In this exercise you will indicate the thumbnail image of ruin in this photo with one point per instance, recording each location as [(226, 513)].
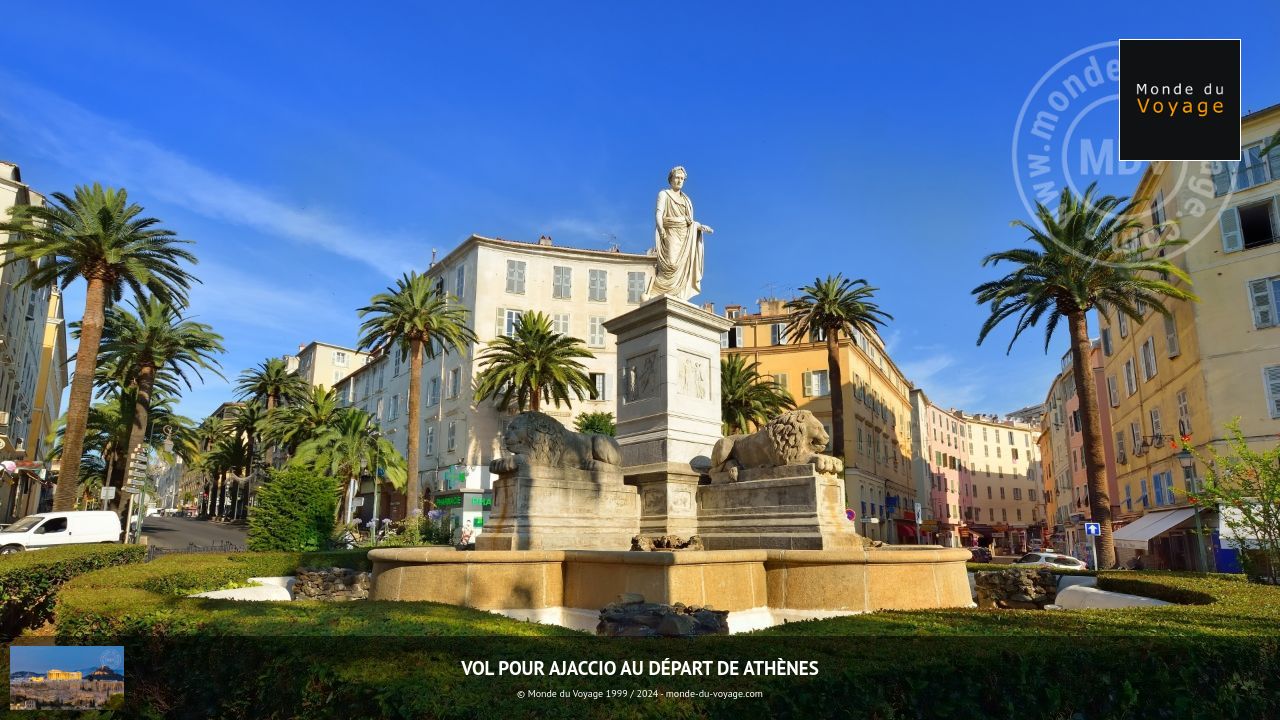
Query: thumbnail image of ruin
[(102, 687)]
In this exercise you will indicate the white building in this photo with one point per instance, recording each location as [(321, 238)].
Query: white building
[(497, 280)]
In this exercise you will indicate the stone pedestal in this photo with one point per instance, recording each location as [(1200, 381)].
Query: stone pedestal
[(783, 508), (668, 406), (544, 508)]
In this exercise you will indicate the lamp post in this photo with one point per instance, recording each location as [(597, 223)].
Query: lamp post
[(375, 435), (1188, 462)]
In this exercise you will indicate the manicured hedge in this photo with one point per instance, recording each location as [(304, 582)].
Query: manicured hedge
[(1216, 658), (980, 567), (29, 581)]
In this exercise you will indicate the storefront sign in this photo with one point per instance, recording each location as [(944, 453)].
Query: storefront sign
[(484, 501), (454, 501)]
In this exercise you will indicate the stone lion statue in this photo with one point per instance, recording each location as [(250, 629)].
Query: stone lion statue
[(793, 438), (534, 438)]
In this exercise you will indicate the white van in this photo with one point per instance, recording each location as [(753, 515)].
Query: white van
[(60, 528)]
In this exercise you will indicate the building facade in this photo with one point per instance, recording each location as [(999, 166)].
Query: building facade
[(496, 281), (1183, 378), (879, 484), (324, 365)]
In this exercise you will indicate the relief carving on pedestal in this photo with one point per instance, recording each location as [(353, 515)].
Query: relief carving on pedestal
[(694, 381), (640, 377)]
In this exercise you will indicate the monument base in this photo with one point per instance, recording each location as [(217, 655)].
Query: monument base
[(668, 498), (544, 508), (782, 508)]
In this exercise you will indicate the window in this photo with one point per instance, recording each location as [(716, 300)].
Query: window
[(1031, 494), (1264, 298), (635, 287), (452, 439), (1158, 483), (1128, 497), (1184, 414), (817, 335), (1157, 209), (1113, 394), (1172, 348), (1271, 379), (1148, 353), (560, 323), (1250, 226), (598, 386), (1252, 169), (515, 276), (460, 280), (816, 384), (455, 383), (1004, 515), (1130, 381), (1014, 451), (1142, 492), (395, 407), (1019, 511), (597, 285), (731, 338), (1001, 493), (595, 335), (1122, 324), (1106, 341), (433, 391), (780, 379), (561, 282), (507, 320), (1156, 427), (1017, 493), (339, 358), (988, 489), (1011, 437), (991, 514), (777, 334), (1135, 434), (429, 443), (1120, 446)]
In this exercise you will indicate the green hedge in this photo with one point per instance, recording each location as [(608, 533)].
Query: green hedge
[(294, 512), (980, 567), (29, 581)]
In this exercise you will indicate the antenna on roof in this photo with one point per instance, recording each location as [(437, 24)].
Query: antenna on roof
[(433, 257), (613, 242)]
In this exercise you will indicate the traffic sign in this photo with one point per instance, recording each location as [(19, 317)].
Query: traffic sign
[(1091, 528), (108, 493), (132, 490)]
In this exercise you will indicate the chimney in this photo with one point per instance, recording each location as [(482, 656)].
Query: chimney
[(545, 240), (709, 307)]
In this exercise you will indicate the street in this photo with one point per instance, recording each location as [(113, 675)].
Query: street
[(178, 533)]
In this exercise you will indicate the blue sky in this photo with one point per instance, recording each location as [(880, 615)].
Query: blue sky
[(314, 155), (42, 658)]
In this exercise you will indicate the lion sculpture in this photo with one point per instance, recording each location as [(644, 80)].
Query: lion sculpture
[(793, 438), (534, 438)]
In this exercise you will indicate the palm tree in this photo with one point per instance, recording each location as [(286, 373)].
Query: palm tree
[(99, 236), (747, 398), (290, 426), (271, 382), (352, 447), (533, 364), (248, 423), (421, 322), (136, 347), (1083, 257), (826, 309)]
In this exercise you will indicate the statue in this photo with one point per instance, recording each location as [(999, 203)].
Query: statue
[(792, 438), (679, 243), (534, 438)]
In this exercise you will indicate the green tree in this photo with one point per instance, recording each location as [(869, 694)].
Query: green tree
[(248, 422), (747, 398), (272, 383), (136, 348), (294, 512), (825, 310), (598, 423), (291, 425), (1083, 257), (1244, 486), (351, 448), (97, 235), (419, 322), (533, 364)]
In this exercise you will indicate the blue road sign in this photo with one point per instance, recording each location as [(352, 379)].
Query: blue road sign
[(1092, 529)]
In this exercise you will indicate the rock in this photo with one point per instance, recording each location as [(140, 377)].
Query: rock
[(1017, 588), (642, 619), (677, 626), (666, 543), (332, 584), (630, 598)]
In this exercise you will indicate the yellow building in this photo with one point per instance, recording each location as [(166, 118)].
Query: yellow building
[(877, 409), (62, 675), (51, 379), (1212, 361), (323, 365)]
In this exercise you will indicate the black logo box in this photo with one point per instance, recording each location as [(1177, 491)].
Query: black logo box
[(1187, 68)]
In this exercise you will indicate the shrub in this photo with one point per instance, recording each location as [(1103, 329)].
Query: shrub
[(599, 423), (295, 512), (29, 581)]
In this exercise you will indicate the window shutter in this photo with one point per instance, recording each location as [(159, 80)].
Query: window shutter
[(1229, 221), (1112, 392), (1156, 480), (1263, 313), (1273, 160), (805, 383), (1272, 377), (1171, 336), (500, 324)]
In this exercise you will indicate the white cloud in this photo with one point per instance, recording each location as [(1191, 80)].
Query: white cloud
[(98, 147), (229, 294)]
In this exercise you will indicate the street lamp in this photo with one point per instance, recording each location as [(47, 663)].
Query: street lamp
[(1188, 462), (375, 435)]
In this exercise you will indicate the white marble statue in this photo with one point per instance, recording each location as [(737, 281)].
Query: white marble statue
[(679, 243)]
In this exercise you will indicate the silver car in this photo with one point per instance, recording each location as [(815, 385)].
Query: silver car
[(1051, 561)]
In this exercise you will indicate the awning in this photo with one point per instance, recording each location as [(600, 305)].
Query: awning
[(1136, 534), (906, 529)]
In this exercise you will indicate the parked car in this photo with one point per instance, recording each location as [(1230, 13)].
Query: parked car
[(1051, 561), (60, 528), (980, 554)]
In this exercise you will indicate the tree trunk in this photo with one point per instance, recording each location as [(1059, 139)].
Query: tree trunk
[(141, 413), (535, 400), (413, 500), (64, 497), (1094, 462), (837, 393)]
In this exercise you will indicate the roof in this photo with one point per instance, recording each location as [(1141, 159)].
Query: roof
[(535, 246)]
